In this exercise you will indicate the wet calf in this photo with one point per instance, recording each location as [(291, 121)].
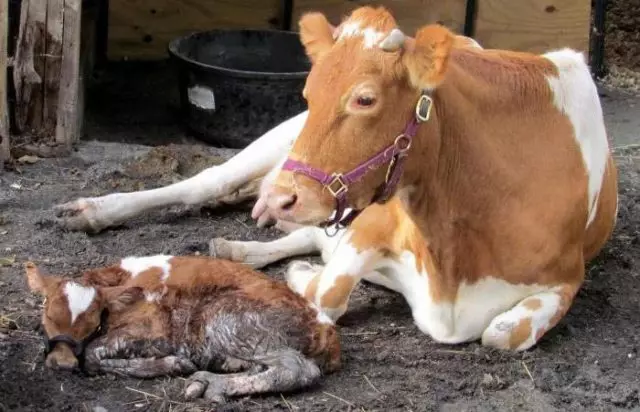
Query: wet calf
[(235, 330)]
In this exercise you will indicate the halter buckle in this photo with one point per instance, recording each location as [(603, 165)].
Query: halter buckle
[(337, 179), (423, 108)]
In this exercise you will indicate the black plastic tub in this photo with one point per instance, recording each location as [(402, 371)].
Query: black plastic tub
[(237, 84)]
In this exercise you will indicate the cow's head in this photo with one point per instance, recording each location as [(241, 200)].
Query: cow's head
[(366, 80), (73, 313)]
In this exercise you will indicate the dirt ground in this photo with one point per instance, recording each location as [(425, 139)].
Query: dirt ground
[(622, 33), (588, 362)]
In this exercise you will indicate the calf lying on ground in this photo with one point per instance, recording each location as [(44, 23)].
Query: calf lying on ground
[(163, 315)]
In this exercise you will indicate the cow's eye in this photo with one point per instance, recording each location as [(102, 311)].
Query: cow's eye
[(365, 101)]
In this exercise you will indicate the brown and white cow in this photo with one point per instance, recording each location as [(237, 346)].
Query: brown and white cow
[(163, 315), (507, 188)]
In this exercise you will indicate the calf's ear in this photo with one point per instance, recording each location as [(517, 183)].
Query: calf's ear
[(426, 57), (36, 281), (118, 298)]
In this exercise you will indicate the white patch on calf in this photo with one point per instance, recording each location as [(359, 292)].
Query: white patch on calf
[(575, 95), (79, 298), (136, 265)]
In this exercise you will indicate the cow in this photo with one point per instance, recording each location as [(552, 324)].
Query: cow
[(477, 183), (168, 315)]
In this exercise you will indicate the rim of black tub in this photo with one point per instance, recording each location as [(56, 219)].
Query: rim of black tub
[(176, 51)]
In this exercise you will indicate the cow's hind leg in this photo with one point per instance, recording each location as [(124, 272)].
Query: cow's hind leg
[(522, 326), (280, 371), (229, 182)]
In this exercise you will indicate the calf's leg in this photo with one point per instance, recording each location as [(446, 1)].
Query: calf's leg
[(212, 184), (281, 371), (147, 367)]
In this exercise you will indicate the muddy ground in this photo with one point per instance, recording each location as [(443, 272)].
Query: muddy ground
[(588, 362)]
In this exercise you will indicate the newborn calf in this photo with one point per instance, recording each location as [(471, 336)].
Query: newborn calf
[(162, 315)]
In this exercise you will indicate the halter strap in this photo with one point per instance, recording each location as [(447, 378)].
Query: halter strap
[(395, 154)]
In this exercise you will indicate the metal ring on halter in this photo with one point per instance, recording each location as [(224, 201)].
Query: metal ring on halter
[(399, 139)]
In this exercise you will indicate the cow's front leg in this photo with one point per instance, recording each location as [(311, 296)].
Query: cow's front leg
[(147, 367), (303, 241), (330, 287), (231, 181), (522, 326)]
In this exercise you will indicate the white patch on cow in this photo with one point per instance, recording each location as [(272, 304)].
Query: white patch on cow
[(136, 265), (370, 36), (321, 317), (463, 320), (575, 94), (498, 333), (473, 43), (79, 298)]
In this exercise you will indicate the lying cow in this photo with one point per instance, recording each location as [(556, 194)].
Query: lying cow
[(161, 315), (477, 183)]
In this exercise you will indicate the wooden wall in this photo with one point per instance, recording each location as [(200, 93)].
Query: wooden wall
[(141, 29)]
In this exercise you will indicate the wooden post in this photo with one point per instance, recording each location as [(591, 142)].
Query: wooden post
[(53, 63), (28, 67), (5, 148), (67, 130)]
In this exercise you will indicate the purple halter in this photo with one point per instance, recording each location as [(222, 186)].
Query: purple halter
[(338, 183)]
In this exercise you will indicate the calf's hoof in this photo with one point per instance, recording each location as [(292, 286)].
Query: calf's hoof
[(206, 385)]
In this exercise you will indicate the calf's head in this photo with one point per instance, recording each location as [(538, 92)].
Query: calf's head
[(73, 314), (367, 82)]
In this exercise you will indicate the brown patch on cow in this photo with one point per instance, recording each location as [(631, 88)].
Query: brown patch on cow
[(312, 288), (339, 293), (532, 304), (520, 333)]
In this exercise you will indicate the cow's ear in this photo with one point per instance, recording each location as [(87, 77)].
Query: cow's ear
[(316, 35), (426, 57), (118, 298)]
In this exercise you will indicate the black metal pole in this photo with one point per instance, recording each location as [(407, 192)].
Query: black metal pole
[(287, 14), (470, 18), (597, 49)]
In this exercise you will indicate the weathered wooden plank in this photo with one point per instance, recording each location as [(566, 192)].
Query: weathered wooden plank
[(5, 147), (53, 62), (533, 25), (410, 14), (67, 122), (142, 29), (28, 68)]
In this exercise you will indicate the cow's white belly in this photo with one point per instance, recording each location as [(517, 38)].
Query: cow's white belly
[(452, 322)]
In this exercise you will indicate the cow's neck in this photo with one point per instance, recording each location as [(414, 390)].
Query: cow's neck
[(446, 176)]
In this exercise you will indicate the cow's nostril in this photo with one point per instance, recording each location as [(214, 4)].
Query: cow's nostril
[(288, 204)]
